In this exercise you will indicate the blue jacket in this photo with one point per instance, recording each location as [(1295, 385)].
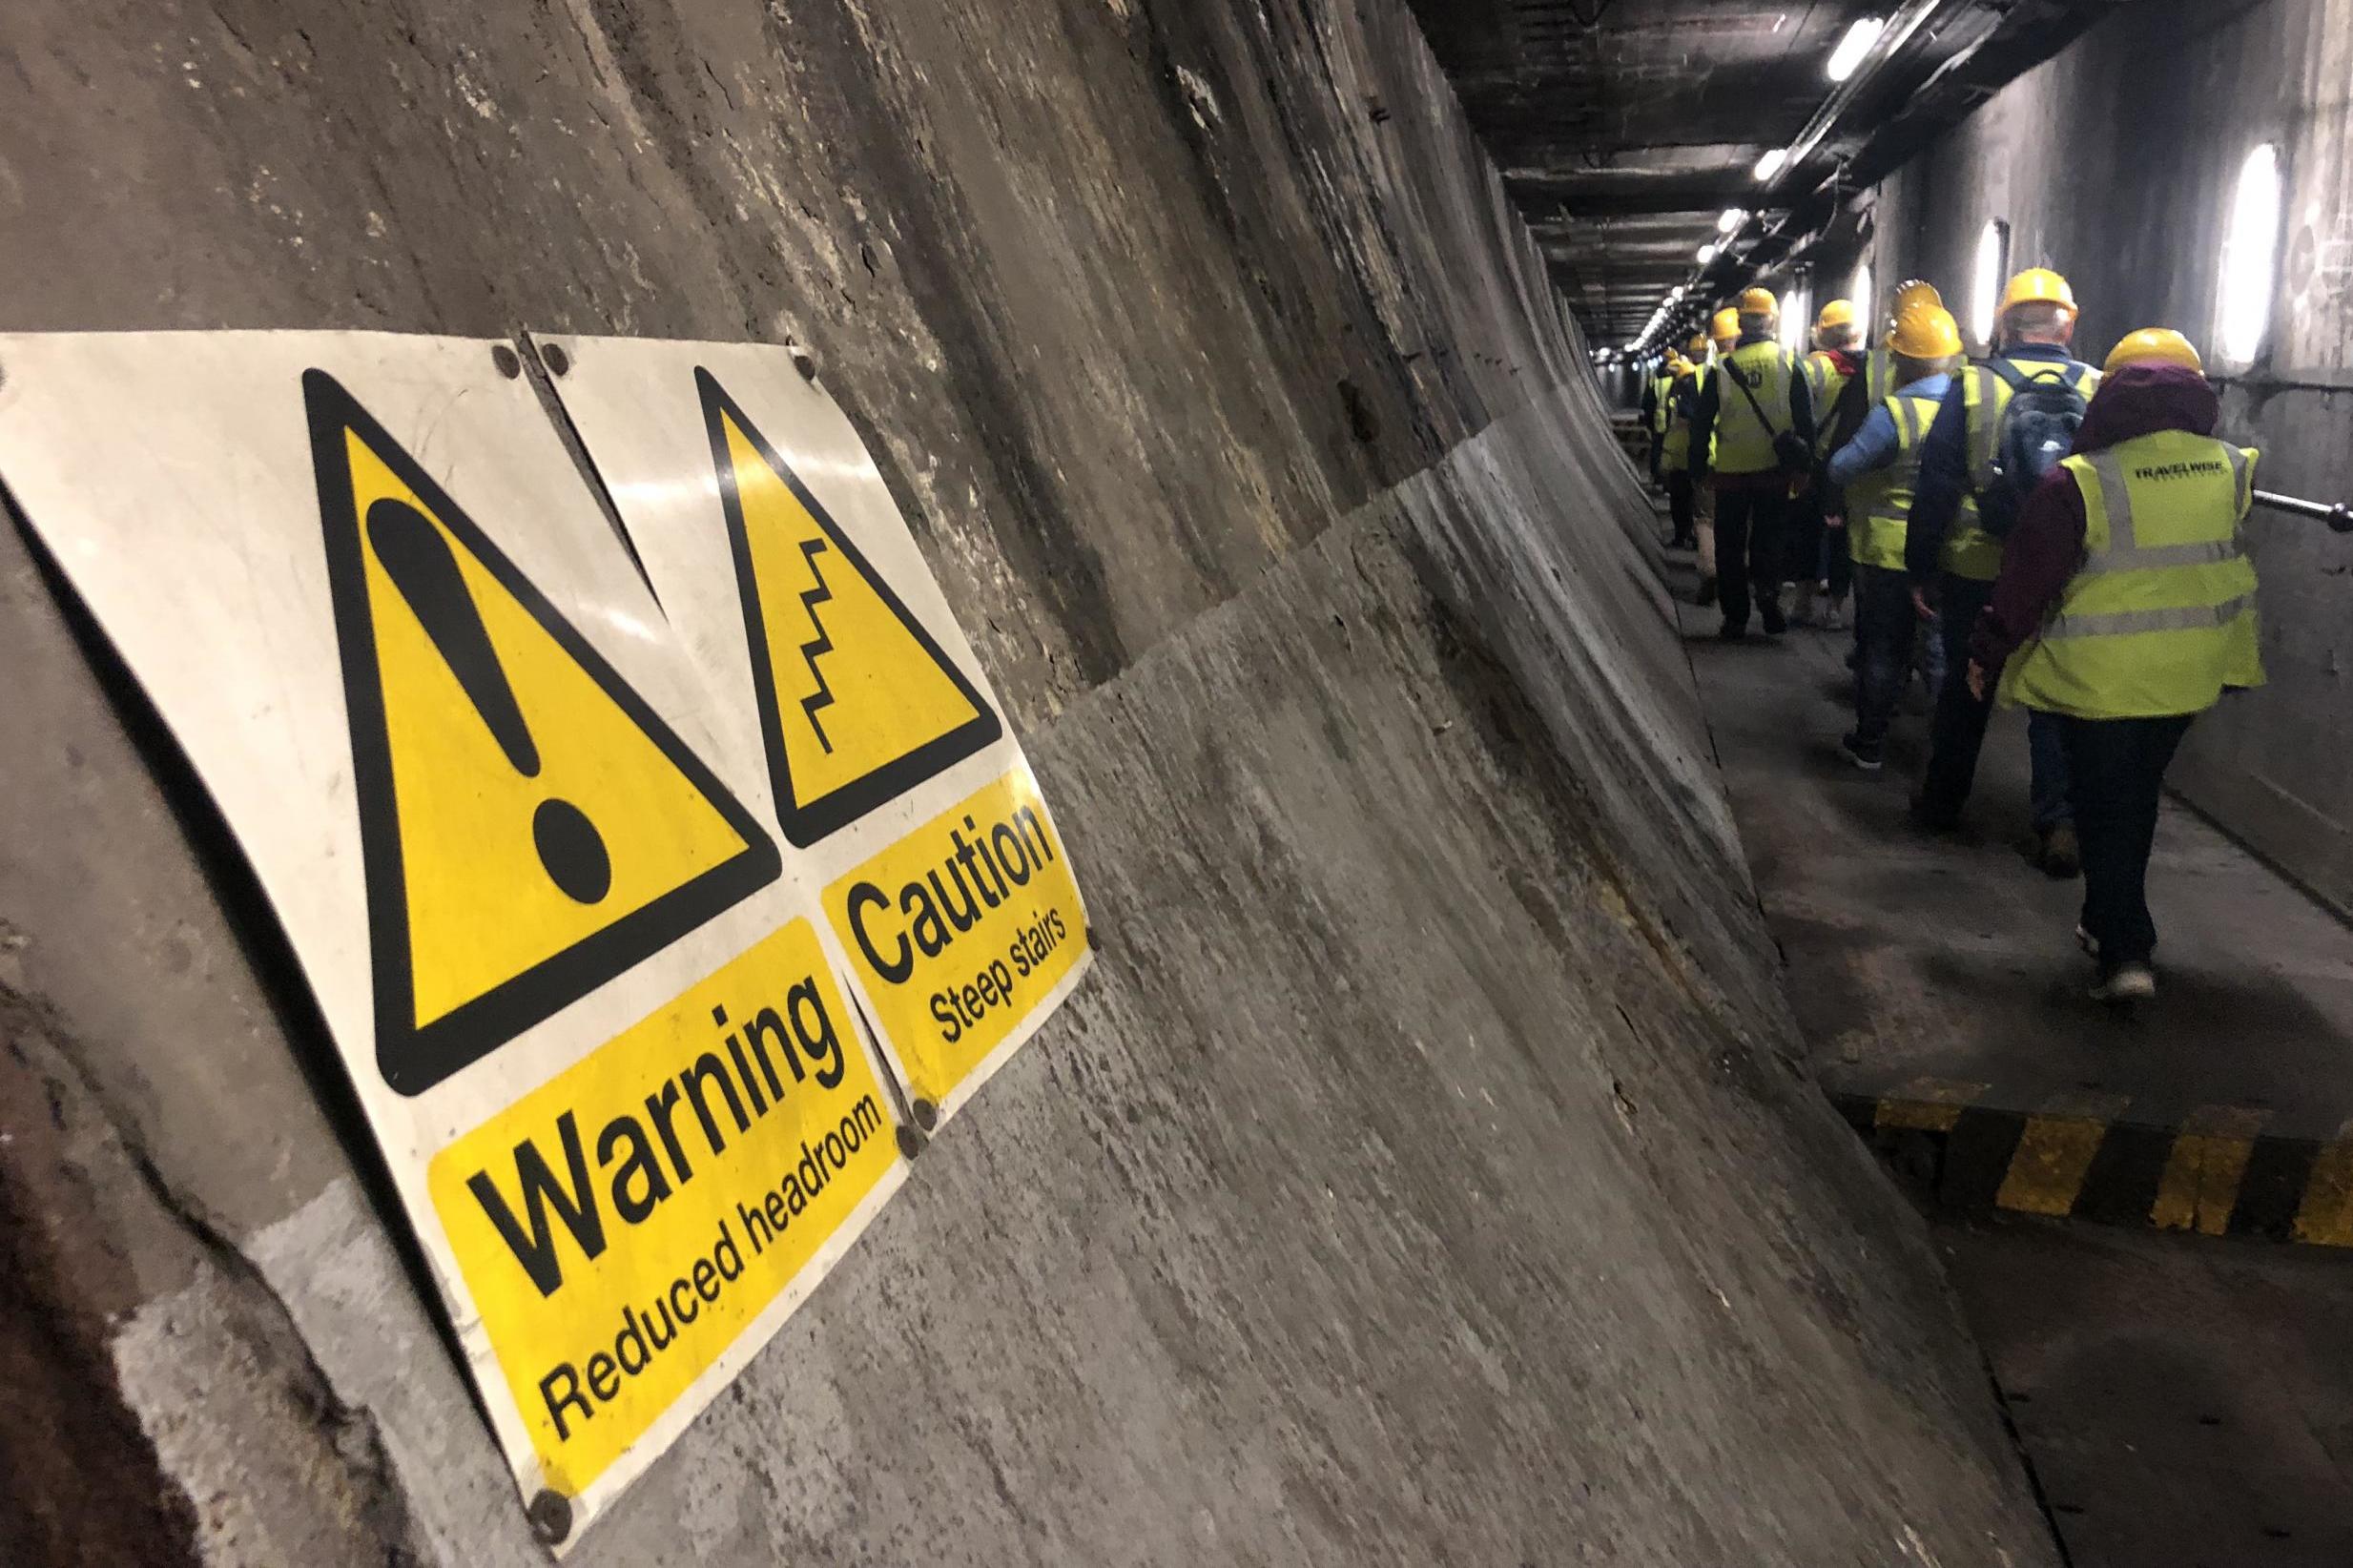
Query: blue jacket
[(1875, 445), (1943, 468)]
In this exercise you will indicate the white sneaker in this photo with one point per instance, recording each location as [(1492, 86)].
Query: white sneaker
[(2131, 982), (2088, 942)]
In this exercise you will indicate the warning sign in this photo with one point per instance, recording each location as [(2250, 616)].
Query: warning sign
[(856, 702), (529, 827), (961, 930), (597, 1018), (845, 682), (620, 1227)]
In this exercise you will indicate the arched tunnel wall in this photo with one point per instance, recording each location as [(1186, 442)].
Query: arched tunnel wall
[(2116, 162), (1423, 1175)]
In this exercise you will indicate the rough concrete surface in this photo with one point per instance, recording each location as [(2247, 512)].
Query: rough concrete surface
[(1427, 1174)]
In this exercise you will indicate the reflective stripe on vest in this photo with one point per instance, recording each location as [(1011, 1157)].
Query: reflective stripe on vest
[(1744, 446), (1879, 537), (2160, 616)]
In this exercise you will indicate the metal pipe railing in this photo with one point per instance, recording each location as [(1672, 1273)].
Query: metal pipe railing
[(2339, 517)]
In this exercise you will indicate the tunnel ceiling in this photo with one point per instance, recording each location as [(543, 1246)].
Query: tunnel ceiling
[(1625, 127)]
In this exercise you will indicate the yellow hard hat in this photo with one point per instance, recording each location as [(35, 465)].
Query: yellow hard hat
[(1925, 332), (1838, 313), (2038, 286), (1914, 291), (1759, 302), (1727, 325), (1678, 366), (1698, 343), (2155, 346)]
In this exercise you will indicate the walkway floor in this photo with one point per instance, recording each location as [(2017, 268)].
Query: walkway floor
[(1941, 986), (2183, 1402)]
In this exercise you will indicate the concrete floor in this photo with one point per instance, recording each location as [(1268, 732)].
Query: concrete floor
[(1915, 956), (2185, 1402)]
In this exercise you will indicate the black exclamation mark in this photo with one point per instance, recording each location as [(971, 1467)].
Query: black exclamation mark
[(417, 558)]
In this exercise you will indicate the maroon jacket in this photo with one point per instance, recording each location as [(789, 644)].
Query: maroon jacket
[(2046, 547)]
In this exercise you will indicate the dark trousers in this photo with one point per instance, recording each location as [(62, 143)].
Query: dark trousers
[(1679, 506), (1885, 624), (1802, 531), (1749, 550), (1958, 733), (2116, 770)]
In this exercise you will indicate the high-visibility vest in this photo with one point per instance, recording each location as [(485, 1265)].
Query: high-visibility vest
[(1744, 446), (1658, 390), (1678, 449), (1878, 376), (1675, 448), (1824, 380), (2160, 616), (1878, 504), (1969, 551)]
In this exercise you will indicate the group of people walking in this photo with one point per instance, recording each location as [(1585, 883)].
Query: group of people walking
[(2023, 529)]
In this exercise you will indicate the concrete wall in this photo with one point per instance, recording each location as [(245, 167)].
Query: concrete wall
[(1424, 1176), (2116, 163)]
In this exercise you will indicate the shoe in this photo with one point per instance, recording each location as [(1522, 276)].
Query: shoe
[(1708, 592), (2126, 983), (1729, 634), (2062, 856), (1775, 627), (1865, 758), (2088, 942)]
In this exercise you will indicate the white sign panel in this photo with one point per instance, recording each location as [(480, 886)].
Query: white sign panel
[(846, 687), (586, 998)]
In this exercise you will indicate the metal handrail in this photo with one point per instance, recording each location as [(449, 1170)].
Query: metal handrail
[(2339, 517)]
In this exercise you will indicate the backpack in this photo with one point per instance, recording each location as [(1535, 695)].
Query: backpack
[(2037, 431)]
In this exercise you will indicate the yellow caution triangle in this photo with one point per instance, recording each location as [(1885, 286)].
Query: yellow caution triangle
[(529, 827), (858, 702)]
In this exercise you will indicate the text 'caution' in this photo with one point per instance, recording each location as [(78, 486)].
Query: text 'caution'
[(962, 930)]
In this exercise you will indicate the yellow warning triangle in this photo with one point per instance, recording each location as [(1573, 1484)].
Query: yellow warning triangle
[(529, 826), (858, 702)]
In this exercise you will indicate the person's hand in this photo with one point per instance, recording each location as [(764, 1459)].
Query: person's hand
[(1833, 522), (1977, 680), (1920, 603)]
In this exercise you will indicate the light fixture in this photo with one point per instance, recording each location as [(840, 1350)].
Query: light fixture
[(1772, 163), (2250, 258), (1986, 286), (1708, 253), (1733, 218), (1850, 50), (1861, 291)]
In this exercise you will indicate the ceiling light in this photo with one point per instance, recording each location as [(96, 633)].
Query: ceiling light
[(1850, 50), (1772, 163), (1708, 253), (1733, 218), (2250, 258)]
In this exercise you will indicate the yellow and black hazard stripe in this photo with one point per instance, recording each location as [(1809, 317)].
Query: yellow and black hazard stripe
[(2221, 1170)]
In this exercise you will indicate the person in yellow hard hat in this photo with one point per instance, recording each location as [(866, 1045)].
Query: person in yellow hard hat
[(2125, 608), (1875, 473), (1754, 429), (2006, 423), (1694, 524), (1820, 565)]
